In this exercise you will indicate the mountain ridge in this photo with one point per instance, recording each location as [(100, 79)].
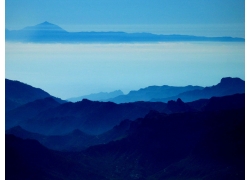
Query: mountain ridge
[(47, 32), (18, 93), (226, 86), (77, 140), (102, 96), (150, 92)]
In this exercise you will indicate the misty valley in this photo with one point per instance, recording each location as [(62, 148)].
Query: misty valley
[(156, 132)]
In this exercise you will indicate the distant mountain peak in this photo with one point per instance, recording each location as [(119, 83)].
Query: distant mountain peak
[(48, 32), (228, 81), (45, 26), (179, 101), (46, 22)]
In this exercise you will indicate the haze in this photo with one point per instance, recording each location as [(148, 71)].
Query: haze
[(69, 70)]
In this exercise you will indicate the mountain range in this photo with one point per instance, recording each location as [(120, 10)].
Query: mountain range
[(78, 140), (18, 93), (200, 145), (50, 117), (153, 92), (50, 33), (102, 96), (227, 86), (48, 138), (92, 117)]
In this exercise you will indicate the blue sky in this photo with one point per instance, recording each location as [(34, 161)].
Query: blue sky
[(198, 17)]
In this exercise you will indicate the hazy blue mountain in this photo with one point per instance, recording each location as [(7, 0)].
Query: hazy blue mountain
[(75, 140), (209, 144), (102, 96), (227, 86), (151, 92), (50, 33), (18, 93), (93, 117), (44, 27), (78, 140), (15, 116)]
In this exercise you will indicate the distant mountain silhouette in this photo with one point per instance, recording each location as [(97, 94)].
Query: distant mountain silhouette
[(75, 140), (29, 110), (78, 140), (18, 93), (102, 96), (44, 27), (50, 33), (153, 92), (227, 86), (92, 117), (208, 143)]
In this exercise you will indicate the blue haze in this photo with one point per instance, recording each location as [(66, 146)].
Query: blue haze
[(71, 70)]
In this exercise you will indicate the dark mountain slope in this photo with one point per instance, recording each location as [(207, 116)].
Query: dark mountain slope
[(227, 86), (18, 93), (75, 140), (27, 111), (235, 101), (102, 96), (200, 145), (78, 140), (220, 154), (188, 145), (28, 159), (153, 92), (93, 117), (204, 145)]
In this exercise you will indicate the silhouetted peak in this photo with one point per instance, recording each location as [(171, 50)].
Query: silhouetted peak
[(179, 101), (85, 100), (228, 81), (46, 23), (45, 26)]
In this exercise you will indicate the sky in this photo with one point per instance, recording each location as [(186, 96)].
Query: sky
[(67, 70), (192, 17), (71, 70)]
